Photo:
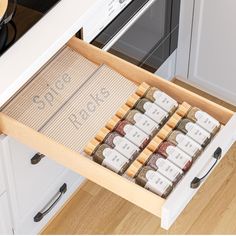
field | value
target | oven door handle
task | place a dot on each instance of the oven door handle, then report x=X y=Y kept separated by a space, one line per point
x=128 y=25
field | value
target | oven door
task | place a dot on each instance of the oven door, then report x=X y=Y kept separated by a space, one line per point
x=144 y=33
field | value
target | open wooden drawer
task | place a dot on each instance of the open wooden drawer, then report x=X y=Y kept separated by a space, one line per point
x=167 y=209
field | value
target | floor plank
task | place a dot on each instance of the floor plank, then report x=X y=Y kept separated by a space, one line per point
x=94 y=210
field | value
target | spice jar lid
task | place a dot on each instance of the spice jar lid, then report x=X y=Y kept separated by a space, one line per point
x=132 y=100
x=174 y=120
x=183 y=109
x=112 y=123
x=122 y=111
x=134 y=168
x=91 y=146
x=142 y=89
x=144 y=155
x=101 y=135
x=164 y=132
x=154 y=144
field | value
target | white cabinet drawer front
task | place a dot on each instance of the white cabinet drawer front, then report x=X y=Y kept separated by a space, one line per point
x=5 y=221
x=27 y=225
x=30 y=181
x=58 y=150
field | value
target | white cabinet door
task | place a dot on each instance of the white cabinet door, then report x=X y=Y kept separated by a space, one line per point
x=213 y=48
x=5 y=222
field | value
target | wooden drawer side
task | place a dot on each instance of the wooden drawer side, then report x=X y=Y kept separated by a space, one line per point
x=138 y=75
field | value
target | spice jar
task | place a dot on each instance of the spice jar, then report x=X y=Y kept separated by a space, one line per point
x=158 y=97
x=148 y=108
x=204 y=120
x=175 y=155
x=129 y=131
x=138 y=119
x=165 y=167
x=154 y=181
x=119 y=143
x=194 y=131
x=185 y=143
x=107 y=156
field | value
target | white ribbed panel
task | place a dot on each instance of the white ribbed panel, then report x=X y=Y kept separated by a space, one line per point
x=48 y=84
x=97 y=101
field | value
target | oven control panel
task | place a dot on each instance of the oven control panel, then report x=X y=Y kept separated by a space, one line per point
x=102 y=15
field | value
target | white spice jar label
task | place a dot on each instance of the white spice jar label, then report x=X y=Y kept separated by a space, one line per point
x=145 y=123
x=168 y=169
x=164 y=101
x=206 y=121
x=155 y=112
x=177 y=156
x=135 y=135
x=156 y=182
x=113 y=160
x=125 y=147
x=197 y=133
x=187 y=144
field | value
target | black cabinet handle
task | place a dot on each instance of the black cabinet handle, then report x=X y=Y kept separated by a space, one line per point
x=197 y=180
x=37 y=158
x=39 y=216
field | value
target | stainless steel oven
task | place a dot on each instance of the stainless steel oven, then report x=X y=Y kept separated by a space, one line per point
x=144 y=32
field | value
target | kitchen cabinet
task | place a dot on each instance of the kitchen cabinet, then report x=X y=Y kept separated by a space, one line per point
x=31 y=187
x=211 y=64
x=2 y=178
x=57 y=143
x=5 y=220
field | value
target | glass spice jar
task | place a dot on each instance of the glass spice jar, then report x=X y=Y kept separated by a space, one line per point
x=204 y=120
x=154 y=181
x=138 y=119
x=185 y=143
x=158 y=97
x=118 y=142
x=148 y=108
x=107 y=156
x=134 y=169
x=195 y=132
x=175 y=155
x=165 y=167
x=129 y=131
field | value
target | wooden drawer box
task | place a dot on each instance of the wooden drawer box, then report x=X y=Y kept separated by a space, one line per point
x=167 y=209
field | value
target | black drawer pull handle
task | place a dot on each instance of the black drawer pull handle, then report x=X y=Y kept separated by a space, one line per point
x=197 y=181
x=37 y=158
x=39 y=216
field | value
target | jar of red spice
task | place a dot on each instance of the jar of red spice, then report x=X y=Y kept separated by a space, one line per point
x=129 y=131
x=138 y=119
x=118 y=142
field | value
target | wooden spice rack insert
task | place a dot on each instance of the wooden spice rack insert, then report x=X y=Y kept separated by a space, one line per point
x=117 y=147
x=167 y=209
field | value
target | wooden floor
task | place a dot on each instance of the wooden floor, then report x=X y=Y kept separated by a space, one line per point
x=94 y=210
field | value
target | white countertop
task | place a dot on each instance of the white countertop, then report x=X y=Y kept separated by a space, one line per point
x=40 y=43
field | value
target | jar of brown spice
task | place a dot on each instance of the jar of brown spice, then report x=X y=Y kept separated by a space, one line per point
x=154 y=181
x=107 y=156
x=148 y=108
x=158 y=97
